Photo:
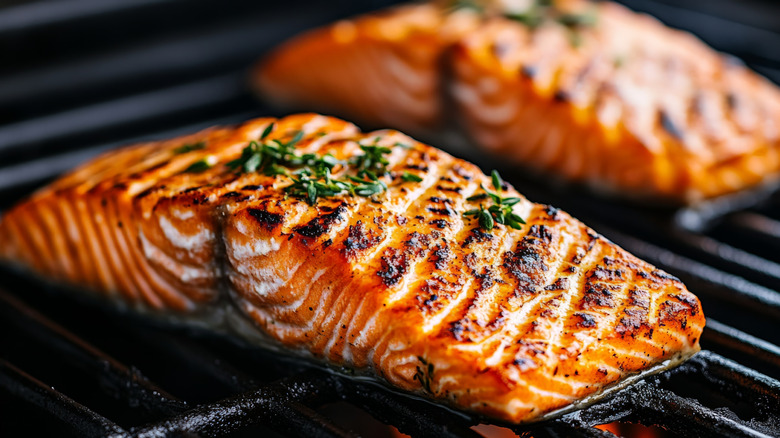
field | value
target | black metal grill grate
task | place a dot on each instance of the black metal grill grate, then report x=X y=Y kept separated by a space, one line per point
x=81 y=76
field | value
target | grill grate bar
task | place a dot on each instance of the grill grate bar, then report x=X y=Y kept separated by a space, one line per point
x=650 y=402
x=727 y=257
x=115 y=378
x=564 y=429
x=79 y=418
x=42 y=169
x=201 y=94
x=405 y=412
x=752 y=385
x=208 y=93
x=729 y=337
x=276 y=406
x=225 y=46
x=688 y=417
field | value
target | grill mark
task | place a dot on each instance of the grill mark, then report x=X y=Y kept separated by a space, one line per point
x=439 y=223
x=449 y=189
x=459 y=327
x=574 y=290
x=394 y=233
x=396 y=262
x=359 y=239
x=446 y=211
x=265 y=218
x=321 y=224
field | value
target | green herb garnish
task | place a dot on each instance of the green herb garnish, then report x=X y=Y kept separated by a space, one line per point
x=310 y=189
x=313 y=178
x=199 y=166
x=500 y=212
x=410 y=177
x=543 y=11
x=189 y=147
x=269 y=158
x=372 y=161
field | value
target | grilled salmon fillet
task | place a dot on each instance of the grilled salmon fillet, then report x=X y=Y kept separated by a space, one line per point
x=510 y=322
x=381 y=69
x=590 y=92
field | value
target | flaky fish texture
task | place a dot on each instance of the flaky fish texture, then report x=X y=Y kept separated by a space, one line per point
x=588 y=91
x=508 y=323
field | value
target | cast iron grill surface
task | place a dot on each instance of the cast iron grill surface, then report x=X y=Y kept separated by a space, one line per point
x=81 y=76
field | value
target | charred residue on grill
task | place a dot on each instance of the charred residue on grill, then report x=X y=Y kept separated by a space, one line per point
x=321 y=224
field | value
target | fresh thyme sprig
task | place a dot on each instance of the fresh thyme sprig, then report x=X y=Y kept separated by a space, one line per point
x=200 y=166
x=189 y=147
x=372 y=162
x=410 y=177
x=313 y=179
x=537 y=13
x=310 y=189
x=270 y=158
x=500 y=212
x=321 y=185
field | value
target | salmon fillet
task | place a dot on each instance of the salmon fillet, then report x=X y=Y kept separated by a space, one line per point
x=511 y=322
x=588 y=91
x=381 y=69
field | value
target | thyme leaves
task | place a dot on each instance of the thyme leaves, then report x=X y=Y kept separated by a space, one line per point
x=501 y=211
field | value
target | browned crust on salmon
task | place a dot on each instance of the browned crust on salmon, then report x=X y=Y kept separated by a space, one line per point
x=510 y=323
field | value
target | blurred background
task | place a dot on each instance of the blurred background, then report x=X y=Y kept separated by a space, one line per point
x=80 y=76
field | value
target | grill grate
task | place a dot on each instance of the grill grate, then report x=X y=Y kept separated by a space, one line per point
x=85 y=74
